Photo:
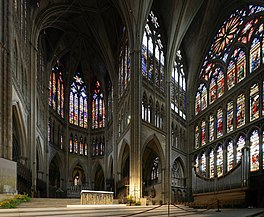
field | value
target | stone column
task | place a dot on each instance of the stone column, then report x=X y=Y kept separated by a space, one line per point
x=135 y=179
x=115 y=134
x=6 y=33
x=167 y=178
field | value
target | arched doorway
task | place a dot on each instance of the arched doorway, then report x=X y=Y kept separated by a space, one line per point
x=151 y=172
x=99 y=179
x=78 y=176
x=55 y=178
x=178 y=181
x=123 y=183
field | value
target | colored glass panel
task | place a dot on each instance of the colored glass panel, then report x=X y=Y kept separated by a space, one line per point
x=203 y=133
x=240 y=110
x=75 y=147
x=254 y=151
x=219 y=161
x=53 y=90
x=211 y=163
x=254 y=54
x=220 y=83
x=230 y=117
x=212 y=93
x=240 y=146
x=203 y=165
x=241 y=66
x=204 y=97
x=219 y=123
x=197 y=134
x=230 y=156
x=254 y=102
x=71 y=108
x=231 y=75
x=211 y=128
x=98 y=107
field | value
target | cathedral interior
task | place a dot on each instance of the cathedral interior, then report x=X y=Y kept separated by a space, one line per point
x=155 y=99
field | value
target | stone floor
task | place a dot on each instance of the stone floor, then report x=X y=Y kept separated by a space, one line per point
x=58 y=207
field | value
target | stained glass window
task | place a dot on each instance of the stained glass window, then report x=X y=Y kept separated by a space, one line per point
x=203 y=133
x=230 y=155
x=211 y=128
x=219 y=123
x=254 y=151
x=178 y=87
x=98 y=107
x=230 y=117
x=56 y=89
x=254 y=54
x=211 y=163
x=196 y=164
x=254 y=102
x=78 y=108
x=241 y=65
x=219 y=161
x=241 y=34
x=220 y=82
x=197 y=134
x=231 y=75
x=152 y=53
x=263 y=99
x=124 y=65
x=75 y=145
x=240 y=111
x=71 y=144
x=154 y=170
x=240 y=145
x=81 y=146
x=203 y=165
x=212 y=93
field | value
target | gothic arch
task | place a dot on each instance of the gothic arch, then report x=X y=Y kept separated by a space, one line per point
x=20 y=129
x=98 y=176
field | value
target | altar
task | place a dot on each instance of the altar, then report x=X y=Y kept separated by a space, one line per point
x=89 y=197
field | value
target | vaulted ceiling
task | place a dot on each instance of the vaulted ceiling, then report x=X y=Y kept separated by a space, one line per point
x=88 y=32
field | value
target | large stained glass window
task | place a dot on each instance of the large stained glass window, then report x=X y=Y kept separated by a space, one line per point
x=240 y=111
x=178 y=87
x=211 y=163
x=230 y=155
x=71 y=144
x=201 y=99
x=219 y=161
x=239 y=147
x=56 y=89
x=152 y=53
x=254 y=102
x=241 y=34
x=124 y=65
x=219 y=123
x=230 y=117
x=211 y=128
x=98 y=107
x=254 y=151
x=78 y=106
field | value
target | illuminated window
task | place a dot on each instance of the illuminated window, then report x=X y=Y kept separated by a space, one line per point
x=240 y=111
x=230 y=117
x=178 y=87
x=78 y=106
x=219 y=161
x=152 y=53
x=219 y=123
x=155 y=169
x=211 y=128
x=230 y=155
x=254 y=102
x=98 y=107
x=211 y=163
x=203 y=165
x=254 y=151
x=203 y=133
x=240 y=146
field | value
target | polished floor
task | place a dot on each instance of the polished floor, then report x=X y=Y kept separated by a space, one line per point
x=49 y=207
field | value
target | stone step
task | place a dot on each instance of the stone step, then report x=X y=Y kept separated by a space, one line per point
x=49 y=202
